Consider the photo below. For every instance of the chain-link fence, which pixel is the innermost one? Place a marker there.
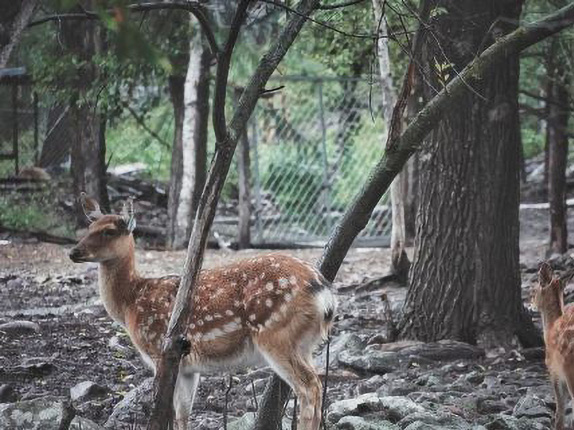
(312, 146)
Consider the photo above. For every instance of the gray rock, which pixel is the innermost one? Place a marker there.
(87, 390)
(19, 327)
(45, 413)
(79, 423)
(390, 357)
(359, 423)
(133, 409)
(507, 422)
(434, 420)
(531, 406)
(345, 342)
(7, 394)
(247, 422)
(394, 408)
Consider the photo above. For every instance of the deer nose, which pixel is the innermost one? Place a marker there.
(75, 254)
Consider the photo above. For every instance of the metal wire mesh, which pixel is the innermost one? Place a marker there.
(313, 145)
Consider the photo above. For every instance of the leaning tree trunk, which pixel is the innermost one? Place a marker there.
(465, 281)
(87, 125)
(12, 26)
(557, 143)
(399, 261)
(189, 156)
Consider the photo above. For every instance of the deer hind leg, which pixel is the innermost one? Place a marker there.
(183, 397)
(297, 370)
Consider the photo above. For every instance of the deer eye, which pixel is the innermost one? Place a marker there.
(110, 233)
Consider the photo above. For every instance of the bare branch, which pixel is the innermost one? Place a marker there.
(193, 7)
(339, 5)
(221, 77)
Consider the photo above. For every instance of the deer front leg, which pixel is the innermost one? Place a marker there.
(560, 397)
(183, 397)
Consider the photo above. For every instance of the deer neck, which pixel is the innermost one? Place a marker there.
(551, 313)
(118, 281)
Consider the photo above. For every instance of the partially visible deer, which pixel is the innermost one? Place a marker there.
(558, 325)
(271, 310)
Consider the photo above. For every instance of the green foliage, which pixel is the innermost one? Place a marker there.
(35, 212)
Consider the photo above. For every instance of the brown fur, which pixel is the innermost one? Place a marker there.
(267, 308)
(558, 325)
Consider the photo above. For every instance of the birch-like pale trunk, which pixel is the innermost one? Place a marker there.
(193, 145)
(399, 261)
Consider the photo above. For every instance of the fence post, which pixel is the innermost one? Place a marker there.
(258, 208)
(15, 128)
(326, 185)
(36, 139)
(244, 172)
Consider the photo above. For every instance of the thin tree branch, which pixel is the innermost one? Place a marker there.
(339, 5)
(141, 122)
(222, 74)
(193, 7)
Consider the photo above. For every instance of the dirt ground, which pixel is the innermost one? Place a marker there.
(77, 341)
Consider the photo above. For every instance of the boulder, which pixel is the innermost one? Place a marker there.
(394, 408)
(19, 327)
(87, 390)
(45, 413)
(531, 406)
(359, 423)
(247, 422)
(507, 422)
(434, 420)
(133, 409)
(7, 394)
(79, 423)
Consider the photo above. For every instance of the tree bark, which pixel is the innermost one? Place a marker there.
(400, 263)
(190, 98)
(87, 124)
(244, 173)
(20, 23)
(465, 282)
(557, 143)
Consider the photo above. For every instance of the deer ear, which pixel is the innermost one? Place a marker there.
(545, 274)
(91, 207)
(128, 214)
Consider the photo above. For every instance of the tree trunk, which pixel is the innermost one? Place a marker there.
(399, 261)
(244, 173)
(557, 143)
(87, 125)
(465, 282)
(11, 38)
(190, 100)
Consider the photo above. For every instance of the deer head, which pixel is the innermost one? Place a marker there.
(548, 293)
(109, 236)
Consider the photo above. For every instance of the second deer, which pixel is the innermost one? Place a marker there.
(272, 310)
(558, 325)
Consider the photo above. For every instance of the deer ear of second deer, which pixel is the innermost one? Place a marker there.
(558, 326)
(268, 310)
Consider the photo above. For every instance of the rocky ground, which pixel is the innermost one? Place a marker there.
(61, 355)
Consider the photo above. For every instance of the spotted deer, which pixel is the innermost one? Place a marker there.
(558, 325)
(270, 310)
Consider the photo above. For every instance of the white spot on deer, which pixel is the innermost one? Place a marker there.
(275, 316)
(229, 313)
(269, 303)
(244, 275)
(293, 280)
(237, 303)
(208, 318)
(237, 320)
(200, 322)
(283, 282)
(258, 302)
(252, 317)
(217, 316)
(288, 297)
(233, 284)
(262, 275)
(213, 334)
(150, 321)
(192, 326)
(283, 308)
(236, 269)
(269, 286)
(226, 272)
(276, 265)
(230, 327)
